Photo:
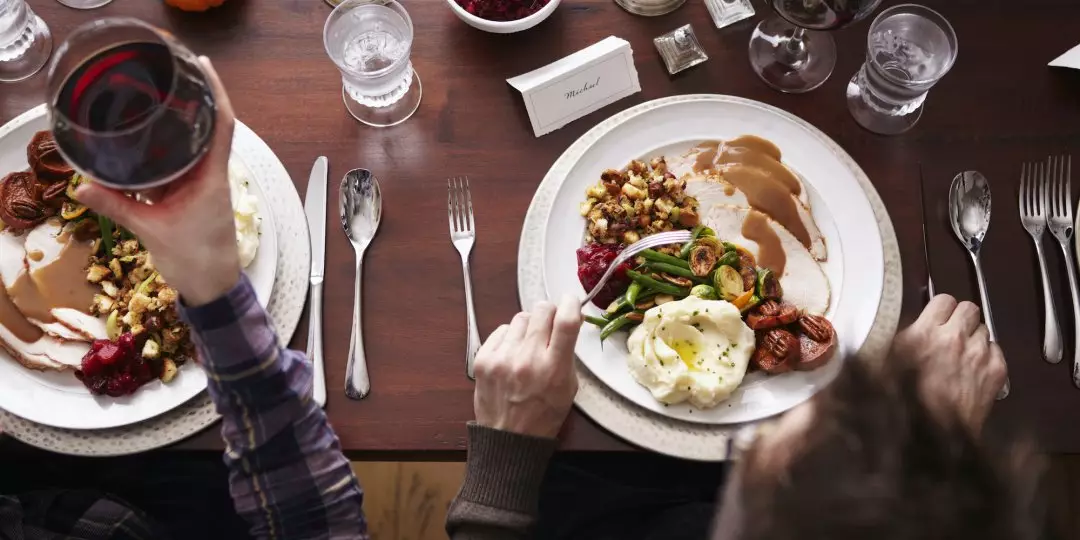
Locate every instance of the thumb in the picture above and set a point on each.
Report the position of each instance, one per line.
(112, 204)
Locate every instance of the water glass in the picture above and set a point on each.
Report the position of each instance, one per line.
(910, 48)
(25, 41)
(370, 42)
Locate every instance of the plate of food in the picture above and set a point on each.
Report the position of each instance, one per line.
(782, 280)
(89, 334)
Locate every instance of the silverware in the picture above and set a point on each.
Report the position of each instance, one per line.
(361, 210)
(662, 239)
(969, 212)
(1033, 204)
(925, 241)
(1058, 177)
(463, 236)
(315, 209)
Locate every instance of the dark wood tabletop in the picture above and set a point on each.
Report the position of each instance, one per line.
(1001, 105)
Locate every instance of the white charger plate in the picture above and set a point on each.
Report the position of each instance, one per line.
(59, 399)
(856, 258)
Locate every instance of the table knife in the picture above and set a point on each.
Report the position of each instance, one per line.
(925, 241)
(315, 208)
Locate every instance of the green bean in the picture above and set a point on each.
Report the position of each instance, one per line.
(632, 292)
(656, 285)
(106, 226)
(685, 251)
(671, 269)
(617, 305)
(598, 321)
(614, 325)
(730, 258)
(656, 256)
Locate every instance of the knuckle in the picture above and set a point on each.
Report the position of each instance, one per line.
(568, 322)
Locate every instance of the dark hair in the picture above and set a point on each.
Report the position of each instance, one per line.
(876, 464)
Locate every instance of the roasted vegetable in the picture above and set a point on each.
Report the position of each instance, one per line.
(728, 283)
(768, 287)
(677, 280)
(730, 258)
(614, 326)
(112, 326)
(751, 303)
(617, 305)
(106, 226)
(598, 321)
(702, 260)
(685, 251)
(705, 292)
(657, 285)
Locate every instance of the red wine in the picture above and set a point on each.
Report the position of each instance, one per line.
(824, 14)
(134, 116)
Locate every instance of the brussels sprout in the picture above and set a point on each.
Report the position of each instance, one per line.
(112, 325)
(730, 258)
(768, 287)
(702, 260)
(728, 283)
(705, 292)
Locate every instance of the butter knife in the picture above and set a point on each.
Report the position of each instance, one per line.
(925, 241)
(315, 208)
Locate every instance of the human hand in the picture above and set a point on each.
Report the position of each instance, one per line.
(189, 228)
(525, 378)
(960, 369)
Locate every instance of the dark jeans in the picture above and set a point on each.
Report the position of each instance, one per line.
(187, 494)
(628, 496)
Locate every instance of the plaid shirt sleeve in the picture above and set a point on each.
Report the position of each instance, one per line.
(288, 476)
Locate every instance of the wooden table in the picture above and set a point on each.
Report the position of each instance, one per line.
(998, 107)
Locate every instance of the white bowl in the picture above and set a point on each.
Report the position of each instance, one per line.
(504, 27)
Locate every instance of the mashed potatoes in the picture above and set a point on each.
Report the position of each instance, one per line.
(245, 212)
(692, 349)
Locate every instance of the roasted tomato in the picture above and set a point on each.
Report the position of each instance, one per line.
(777, 351)
(817, 342)
(771, 314)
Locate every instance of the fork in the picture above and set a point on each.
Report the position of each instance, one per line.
(463, 236)
(1057, 176)
(1033, 204)
(656, 240)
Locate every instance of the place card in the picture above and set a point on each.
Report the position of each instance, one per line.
(578, 84)
(1071, 59)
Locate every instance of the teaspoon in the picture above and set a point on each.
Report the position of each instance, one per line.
(969, 213)
(361, 210)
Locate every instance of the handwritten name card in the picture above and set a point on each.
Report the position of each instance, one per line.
(578, 84)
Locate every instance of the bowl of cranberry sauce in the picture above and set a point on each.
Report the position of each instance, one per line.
(503, 16)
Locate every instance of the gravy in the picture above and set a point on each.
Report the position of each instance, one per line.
(60, 284)
(770, 251)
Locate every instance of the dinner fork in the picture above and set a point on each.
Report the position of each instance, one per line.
(463, 236)
(1057, 174)
(1033, 204)
(656, 240)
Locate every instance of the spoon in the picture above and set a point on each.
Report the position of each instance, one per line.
(361, 209)
(969, 212)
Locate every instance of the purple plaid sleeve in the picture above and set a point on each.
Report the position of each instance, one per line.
(288, 476)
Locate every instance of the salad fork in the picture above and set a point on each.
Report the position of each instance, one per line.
(1057, 175)
(1033, 204)
(656, 240)
(463, 236)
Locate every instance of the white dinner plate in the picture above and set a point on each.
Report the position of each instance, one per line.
(59, 399)
(855, 265)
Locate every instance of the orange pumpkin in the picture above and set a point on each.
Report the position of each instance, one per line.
(194, 5)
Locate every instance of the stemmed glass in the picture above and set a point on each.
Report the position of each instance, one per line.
(788, 55)
(84, 4)
(128, 104)
(370, 42)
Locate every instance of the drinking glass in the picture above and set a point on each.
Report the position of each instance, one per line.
(790, 57)
(909, 49)
(84, 4)
(25, 41)
(370, 42)
(129, 105)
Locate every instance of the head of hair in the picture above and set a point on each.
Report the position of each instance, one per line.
(875, 463)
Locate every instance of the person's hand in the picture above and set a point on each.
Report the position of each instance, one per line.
(961, 371)
(525, 378)
(189, 228)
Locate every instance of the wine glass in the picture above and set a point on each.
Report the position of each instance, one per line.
(788, 54)
(129, 105)
(84, 4)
